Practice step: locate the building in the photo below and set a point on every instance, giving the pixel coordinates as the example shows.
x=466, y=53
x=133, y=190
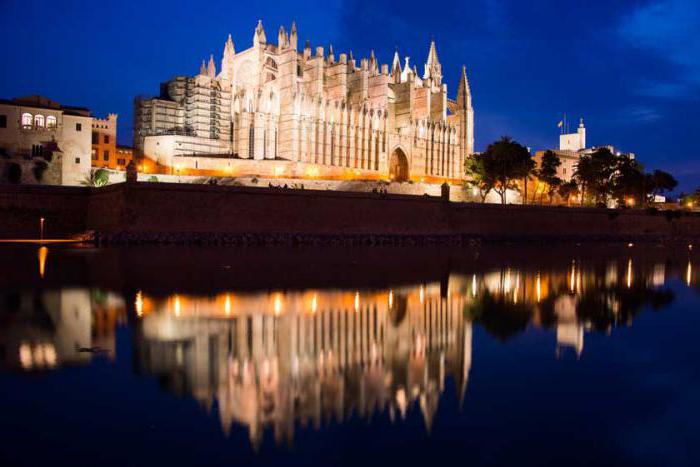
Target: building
x=42, y=141
x=104, y=142
x=125, y=154
x=571, y=147
x=274, y=110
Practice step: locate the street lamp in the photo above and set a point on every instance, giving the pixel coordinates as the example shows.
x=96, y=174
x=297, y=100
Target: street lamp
x=41, y=229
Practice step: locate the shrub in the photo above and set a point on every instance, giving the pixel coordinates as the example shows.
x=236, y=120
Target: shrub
x=14, y=173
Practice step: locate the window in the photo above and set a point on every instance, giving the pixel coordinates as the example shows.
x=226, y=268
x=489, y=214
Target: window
x=37, y=150
x=50, y=121
x=251, y=141
x=105, y=155
x=78, y=127
x=27, y=120
x=3, y=121
x=77, y=159
x=95, y=138
x=39, y=121
x=121, y=161
x=106, y=139
x=94, y=154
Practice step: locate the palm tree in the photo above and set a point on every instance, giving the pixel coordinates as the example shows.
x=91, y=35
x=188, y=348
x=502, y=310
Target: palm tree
x=96, y=178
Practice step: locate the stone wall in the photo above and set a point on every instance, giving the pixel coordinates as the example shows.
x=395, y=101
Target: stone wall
x=187, y=212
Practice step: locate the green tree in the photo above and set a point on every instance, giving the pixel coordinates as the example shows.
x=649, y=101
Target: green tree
x=478, y=176
x=507, y=161
x=594, y=175
x=96, y=178
x=547, y=173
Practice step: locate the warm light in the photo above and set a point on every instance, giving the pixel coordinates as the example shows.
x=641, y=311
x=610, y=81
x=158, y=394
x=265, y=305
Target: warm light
x=279, y=170
x=630, y=201
x=421, y=294
x=629, y=273
x=630, y=245
x=177, y=305
x=139, y=304
x=572, y=278
x=25, y=356
x=391, y=298
x=690, y=246
x=314, y=303
x=43, y=253
x=227, y=305
x=41, y=228
x=688, y=273
x=278, y=305
x=474, y=285
x=49, y=354
x=539, y=288
x=690, y=204
x=357, y=301
x=312, y=172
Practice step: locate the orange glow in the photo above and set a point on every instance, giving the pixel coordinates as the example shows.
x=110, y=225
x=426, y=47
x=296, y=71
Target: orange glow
x=43, y=253
x=177, y=305
x=689, y=273
x=357, y=301
x=139, y=304
x=314, y=303
x=227, y=305
x=629, y=273
x=278, y=304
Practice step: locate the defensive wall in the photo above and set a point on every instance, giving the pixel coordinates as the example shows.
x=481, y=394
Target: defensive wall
x=171, y=212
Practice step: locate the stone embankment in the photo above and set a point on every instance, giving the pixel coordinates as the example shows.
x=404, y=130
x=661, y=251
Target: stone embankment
x=201, y=214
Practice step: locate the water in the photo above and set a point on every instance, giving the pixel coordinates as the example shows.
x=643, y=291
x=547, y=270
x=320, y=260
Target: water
x=535, y=355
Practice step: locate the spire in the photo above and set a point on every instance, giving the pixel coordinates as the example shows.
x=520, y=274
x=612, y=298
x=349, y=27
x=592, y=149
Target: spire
x=259, y=37
x=203, y=69
x=331, y=55
x=463, y=91
x=433, y=69
x=373, y=63
x=227, y=59
x=211, y=67
x=281, y=38
x=406, y=69
x=293, y=36
x=396, y=68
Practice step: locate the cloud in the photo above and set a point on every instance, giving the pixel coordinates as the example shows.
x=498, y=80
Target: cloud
x=669, y=29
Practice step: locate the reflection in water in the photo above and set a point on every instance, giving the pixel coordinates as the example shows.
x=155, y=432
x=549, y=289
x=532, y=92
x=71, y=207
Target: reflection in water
x=278, y=359
x=42, y=254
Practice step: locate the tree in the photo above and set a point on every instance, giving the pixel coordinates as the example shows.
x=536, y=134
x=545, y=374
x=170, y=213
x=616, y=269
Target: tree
x=567, y=190
x=478, y=177
x=661, y=182
x=96, y=178
x=506, y=161
x=547, y=173
x=594, y=175
x=629, y=182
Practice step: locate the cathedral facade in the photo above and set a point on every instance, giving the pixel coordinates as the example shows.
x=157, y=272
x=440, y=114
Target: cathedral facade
x=274, y=110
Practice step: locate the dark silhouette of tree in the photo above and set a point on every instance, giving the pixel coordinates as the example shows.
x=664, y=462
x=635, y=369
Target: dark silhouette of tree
x=594, y=175
x=500, y=316
x=629, y=182
x=478, y=176
x=547, y=173
x=567, y=190
x=661, y=182
x=507, y=161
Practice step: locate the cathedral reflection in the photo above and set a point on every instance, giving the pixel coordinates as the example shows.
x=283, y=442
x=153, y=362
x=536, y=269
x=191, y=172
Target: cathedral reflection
x=276, y=360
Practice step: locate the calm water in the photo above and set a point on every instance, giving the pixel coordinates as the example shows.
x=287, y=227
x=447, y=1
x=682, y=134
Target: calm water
x=501, y=355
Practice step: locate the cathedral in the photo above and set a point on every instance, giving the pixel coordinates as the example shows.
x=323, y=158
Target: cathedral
x=273, y=110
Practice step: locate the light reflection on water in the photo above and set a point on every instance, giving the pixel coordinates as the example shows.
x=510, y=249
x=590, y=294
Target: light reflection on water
x=270, y=361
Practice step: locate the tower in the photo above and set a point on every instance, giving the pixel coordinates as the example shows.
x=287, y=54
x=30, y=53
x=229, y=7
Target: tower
x=433, y=69
x=465, y=113
x=227, y=60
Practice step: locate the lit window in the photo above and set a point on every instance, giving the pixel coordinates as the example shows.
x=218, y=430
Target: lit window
x=39, y=120
x=105, y=155
x=50, y=121
x=27, y=120
x=106, y=139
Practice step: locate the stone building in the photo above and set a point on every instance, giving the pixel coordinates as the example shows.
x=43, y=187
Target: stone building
x=315, y=113
x=42, y=141
x=104, y=142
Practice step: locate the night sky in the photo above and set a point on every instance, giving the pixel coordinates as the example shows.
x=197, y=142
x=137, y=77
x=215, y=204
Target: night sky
x=631, y=68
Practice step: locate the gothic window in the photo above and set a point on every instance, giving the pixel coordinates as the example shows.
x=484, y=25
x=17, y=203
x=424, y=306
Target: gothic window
x=251, y=141
x=271, y=63
x=39, y=121
x=270, y=77
x=27, y=120
x=50, y=121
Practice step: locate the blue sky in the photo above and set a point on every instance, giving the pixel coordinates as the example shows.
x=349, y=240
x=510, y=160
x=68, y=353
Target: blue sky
x=630, y=68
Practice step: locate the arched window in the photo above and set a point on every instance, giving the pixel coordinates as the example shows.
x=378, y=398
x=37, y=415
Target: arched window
x=50, y=121
x=251, y=141
x=271, y=63
x=39, y=121
x=27, y=119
